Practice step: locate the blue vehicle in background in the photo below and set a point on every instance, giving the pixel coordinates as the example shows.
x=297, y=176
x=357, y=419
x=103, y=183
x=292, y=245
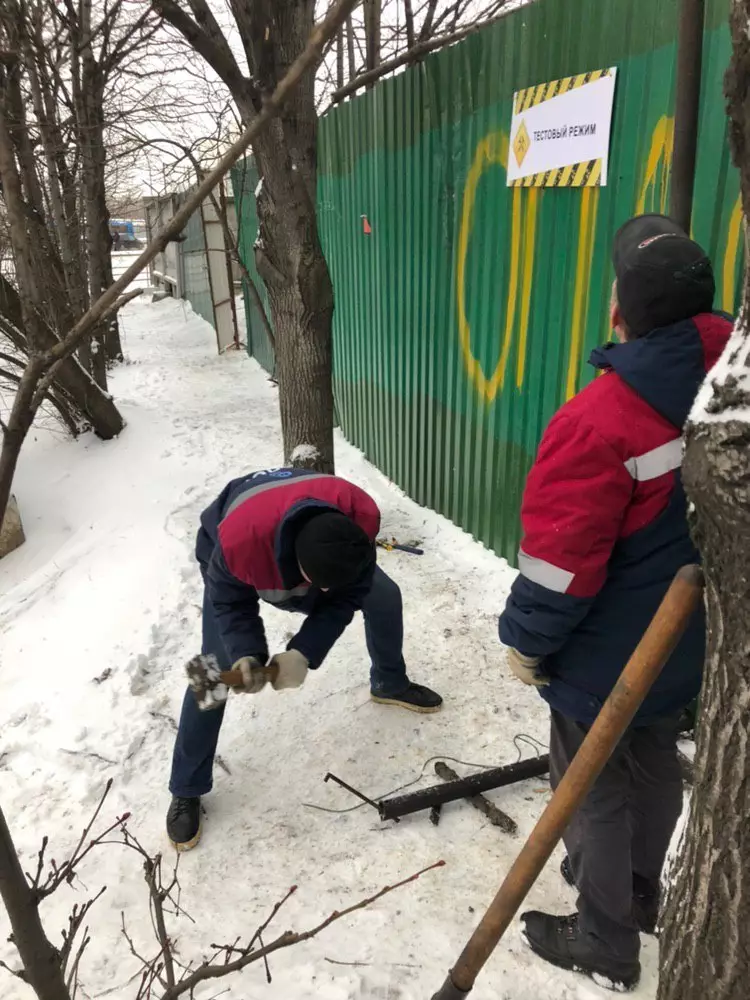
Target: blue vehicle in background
x=123, y=234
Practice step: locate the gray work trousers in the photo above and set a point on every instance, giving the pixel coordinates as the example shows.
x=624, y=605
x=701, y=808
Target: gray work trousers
x=624, y=827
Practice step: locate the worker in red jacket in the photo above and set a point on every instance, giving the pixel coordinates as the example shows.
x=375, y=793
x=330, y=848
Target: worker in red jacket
x=302, y=542
x=605, y=530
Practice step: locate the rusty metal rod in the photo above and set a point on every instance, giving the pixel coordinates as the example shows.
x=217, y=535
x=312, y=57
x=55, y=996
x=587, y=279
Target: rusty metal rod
x=475, y=784
x=354, y=791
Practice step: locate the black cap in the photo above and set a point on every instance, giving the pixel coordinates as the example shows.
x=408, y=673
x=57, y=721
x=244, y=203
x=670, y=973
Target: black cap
x=662, y=275
x=333, y=551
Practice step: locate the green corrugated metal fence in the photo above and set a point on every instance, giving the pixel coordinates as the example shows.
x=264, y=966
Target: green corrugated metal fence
x=244, y=183
x=465, y=316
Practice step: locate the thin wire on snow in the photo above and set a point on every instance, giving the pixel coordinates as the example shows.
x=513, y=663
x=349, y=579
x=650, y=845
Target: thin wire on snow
x=518, y=741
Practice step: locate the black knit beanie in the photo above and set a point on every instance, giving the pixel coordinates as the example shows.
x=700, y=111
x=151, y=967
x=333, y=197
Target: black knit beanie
x=333, y=551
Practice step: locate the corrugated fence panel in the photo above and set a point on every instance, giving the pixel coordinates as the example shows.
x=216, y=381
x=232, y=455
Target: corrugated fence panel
x=717, y=214
x=196, y=284
x=244, y=183
x=465, y=310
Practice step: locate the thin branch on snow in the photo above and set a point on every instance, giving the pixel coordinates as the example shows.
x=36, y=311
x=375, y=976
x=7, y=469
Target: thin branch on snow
x=75, y=920
x=91, y=754
x=249, y=955
x=66, y=872
x=162, y=970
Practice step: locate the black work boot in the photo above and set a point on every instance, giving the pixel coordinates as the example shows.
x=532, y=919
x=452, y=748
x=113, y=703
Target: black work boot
x=560, y=941
x=184, y=823
x=416, y=698
x=566, y=870
x=646, y=898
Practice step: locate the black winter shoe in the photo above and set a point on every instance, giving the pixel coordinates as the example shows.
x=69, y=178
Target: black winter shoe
x=645, y=898
x=416, y=698
x=566, y=870
x=560, y=941
x=184, y=823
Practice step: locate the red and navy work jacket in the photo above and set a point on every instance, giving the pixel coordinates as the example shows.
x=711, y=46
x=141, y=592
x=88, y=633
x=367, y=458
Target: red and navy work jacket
x=605, y=523
x=246, y=551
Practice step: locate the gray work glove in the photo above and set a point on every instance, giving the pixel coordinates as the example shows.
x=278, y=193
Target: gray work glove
x=254, y=675
x=291, y=670
x=526, y=668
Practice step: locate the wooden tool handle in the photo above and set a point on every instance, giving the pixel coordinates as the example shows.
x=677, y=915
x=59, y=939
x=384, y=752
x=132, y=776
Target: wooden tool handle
x=233, y=678
x=668, y=625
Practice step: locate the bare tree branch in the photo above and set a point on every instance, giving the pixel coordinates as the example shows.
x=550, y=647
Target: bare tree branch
x=411, y=55
x=206, y=38
x=409, y=20
x=285, y=940
x=271, y=108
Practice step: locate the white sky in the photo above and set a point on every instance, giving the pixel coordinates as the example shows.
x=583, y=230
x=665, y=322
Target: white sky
x=212, y=121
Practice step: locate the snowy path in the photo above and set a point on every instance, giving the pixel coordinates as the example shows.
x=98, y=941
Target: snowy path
x=99, y=611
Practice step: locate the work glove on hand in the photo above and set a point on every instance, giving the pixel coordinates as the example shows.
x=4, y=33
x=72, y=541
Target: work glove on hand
x=526, y=668
x=254, y=676
x=291, y=669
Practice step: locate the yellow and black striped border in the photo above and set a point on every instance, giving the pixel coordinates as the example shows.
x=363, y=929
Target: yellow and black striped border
x=532, y=96
x=586, y=174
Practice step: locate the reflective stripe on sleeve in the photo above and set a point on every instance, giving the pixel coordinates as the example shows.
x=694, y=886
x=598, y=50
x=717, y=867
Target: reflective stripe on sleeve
x=546, y=574
x=657, y=462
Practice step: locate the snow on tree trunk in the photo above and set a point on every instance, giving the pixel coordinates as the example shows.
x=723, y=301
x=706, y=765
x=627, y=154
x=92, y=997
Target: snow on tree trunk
x=705, y=946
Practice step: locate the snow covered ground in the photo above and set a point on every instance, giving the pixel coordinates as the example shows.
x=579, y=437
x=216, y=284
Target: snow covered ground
x=100, y=610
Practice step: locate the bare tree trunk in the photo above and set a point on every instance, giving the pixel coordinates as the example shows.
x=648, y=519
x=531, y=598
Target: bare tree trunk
x=94, y=408
x=89, y=102
x=16, y=428
x=302, y=320
x=40, y=959
x=60, y=182
x=705, y=945
x=409, y=18
x=84, y=351
x=78, y=384
x=112, y=341
x=372, y=12
x=340, y=58
x=290, y=260
x=429, y=17
x=11, y=371
x=40, y=283
x=288, y=253
x=350, y=48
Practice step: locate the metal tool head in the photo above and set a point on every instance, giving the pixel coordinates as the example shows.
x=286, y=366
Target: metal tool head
x=204, y=677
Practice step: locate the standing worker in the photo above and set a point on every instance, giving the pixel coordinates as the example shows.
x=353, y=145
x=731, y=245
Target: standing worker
x=303, y=542
x=605, y=530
